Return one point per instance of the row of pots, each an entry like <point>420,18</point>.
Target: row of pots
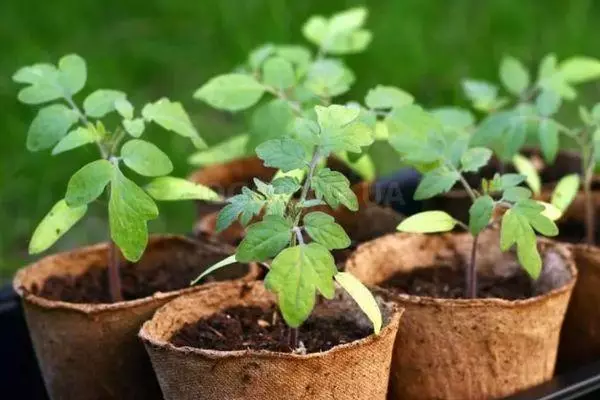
<point>444,348</point>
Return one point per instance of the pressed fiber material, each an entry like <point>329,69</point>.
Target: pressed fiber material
<point>91,351</point>
<point>580,336</point>
<point>463,349</point>
<point>358,370</point>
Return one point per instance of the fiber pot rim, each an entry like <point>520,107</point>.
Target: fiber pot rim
<point>563,250</point>
<point>389,328</point>
<point>99,308</point>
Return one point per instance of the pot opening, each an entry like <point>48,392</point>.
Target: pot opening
<point>261,327</point>
<point>165,267</point>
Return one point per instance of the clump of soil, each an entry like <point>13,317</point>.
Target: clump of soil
<point>92,286</point>
<point>255,328</point>
<point>449,283</point>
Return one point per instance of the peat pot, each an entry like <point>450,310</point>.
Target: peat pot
<point>580,336</point>
<point>455,348</point>
<point>356,370</point>
<point>90,350</point>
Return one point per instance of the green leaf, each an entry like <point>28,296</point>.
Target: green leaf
<point>285,185</point>
<point>129,209</point>
<point>547,67</point>
<point>551,212</point>
<point>385,97</point>
<point>323,229</point>
<point>49,126</point>
<point>134,127</point>
<point>409,127</point>
<point>259,55</point>
<point>168,188</point>
<point>145,158</point>
<point>285,154</point>
<point>547,103</point>
<point>525,167</point>
<point>295,276</point>
<point>87,184</point>
<point>297,55</point>
<point>480,214</point>
<point>231,92</point>
<point>516,229</point>
<point>454,118</point>
<point>362,296</point>
<point>101,102</point>
<point>514,75</point>
<point>73,73</point>
<point>440,180</point>
<point>482,94</point>
<point>475,158</point>
<point>428,222</point>
<point>549,140</point>
<point>271,120</point>
<point>513,224</point>
<point>223,263</point>
<point>227,150</point>
<point>124,108</point>
<point>510,180</point>
<point>44,81</point>
<point>328,78</point>
<point>265,239</point>
<point>55,224</point>
<point>78,137</point>
<point>315,29</point>
<point>364,166</point>
<point>247,205</point>
<point>516,193</point>
<point>334,188</point>
<point>348,20</point>
<point>579,69</point>
<point>341,129</point>
<point>565,191</point>
<point>172,117</point>
<point>278,73</point>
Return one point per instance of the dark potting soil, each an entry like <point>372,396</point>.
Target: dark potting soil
<point>449,283</point>
<point>92,286</point>
<point>255,328</point>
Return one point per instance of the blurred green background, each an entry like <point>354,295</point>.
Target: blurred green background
<point>154,48</point>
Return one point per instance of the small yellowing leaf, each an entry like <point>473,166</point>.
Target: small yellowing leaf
<point>550,211</point>
<point>363,297</point>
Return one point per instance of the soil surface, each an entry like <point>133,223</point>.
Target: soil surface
<point>449,283</point>
<point>242,328</point>
<point>92,286</point>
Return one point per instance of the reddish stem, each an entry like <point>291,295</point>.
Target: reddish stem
<point>114,276</point>
<point>293,338</point>
<point>471,272</point>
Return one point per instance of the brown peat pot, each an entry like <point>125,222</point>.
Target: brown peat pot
<point>457,202</point>
<point>580,336</point>
<point>91,350</point>
<point>355,370</point>
<point>468,348</point>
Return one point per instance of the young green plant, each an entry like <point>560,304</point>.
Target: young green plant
<point>294,80</point>
<point>299,241</point>
<point>532,106</point>
<point>443,155</point>
<point>62,125</point>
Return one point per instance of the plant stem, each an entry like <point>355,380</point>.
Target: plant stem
<point>471,269</point>
<point>471,272</point>
<point>588,173</point>
<point>114,276</point>
<point>293,338</point>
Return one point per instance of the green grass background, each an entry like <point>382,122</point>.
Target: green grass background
<point>170,47</point>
